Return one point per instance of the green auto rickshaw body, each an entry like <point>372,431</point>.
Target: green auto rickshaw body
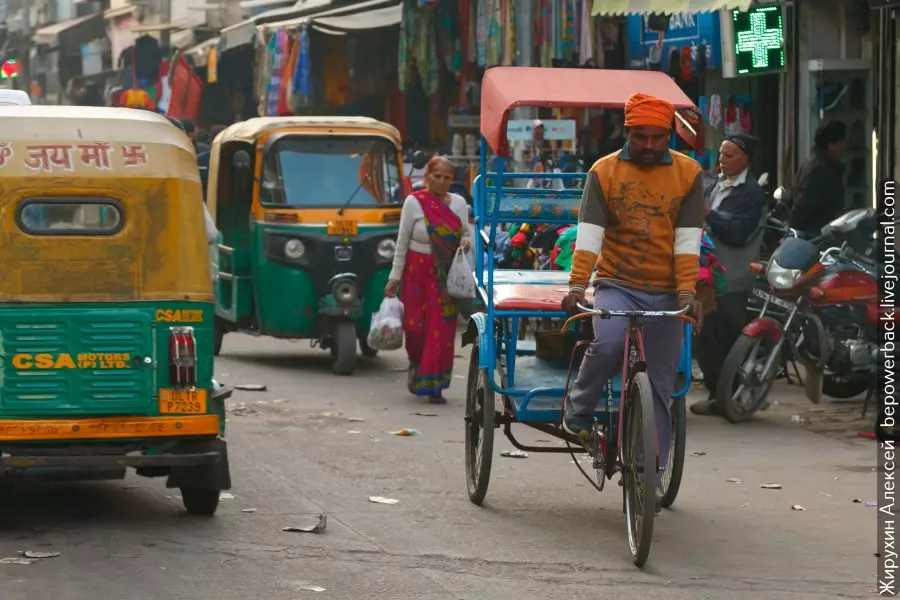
<point>308,209</point>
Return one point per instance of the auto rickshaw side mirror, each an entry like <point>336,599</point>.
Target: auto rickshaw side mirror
<point>241,160</point>
<point>419,160</point>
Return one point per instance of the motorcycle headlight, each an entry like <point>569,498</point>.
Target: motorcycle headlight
<point>294,249</point>
<point>345,292</point>
<point>386,249</point>
<point>780,278</point>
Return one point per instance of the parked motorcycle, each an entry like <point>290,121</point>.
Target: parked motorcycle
<point>830,303</point>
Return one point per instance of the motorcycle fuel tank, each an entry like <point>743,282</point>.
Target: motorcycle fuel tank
<point>847,286</point>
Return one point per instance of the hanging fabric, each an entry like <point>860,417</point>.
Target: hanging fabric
<point>494,44</point>
<point>509,29</point>
<point>274,87</point>
<point>481,26</point>
<point>286,78</point>
<point>585,34</point>
<point>265,56</point>
<point>212,62</point>
<point>547,45</point>
<point>301,84</point>
<point>472,31</point>
<point>417,48</point>
<point>568,29</point>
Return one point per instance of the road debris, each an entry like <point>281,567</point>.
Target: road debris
<point>405,432</point>
<point>356,419</point>
<point>251,387</point>
<point>421,414</point>
<point>317,528</point>
<point>771,486</point>
<point>797,507</point>
<point>382,500</point>
<point>311,588</point>
<point>514,454</point>
<point>698,453</point>
<point>857,501</point>
<point>226,496</point>
<point>799,419</point>
<point>38,555</point>
<point>353,431</point>
<point>824,494</point>
<point>871,503</point>
<point>734,480</point>
<point>17,561</point>
<point>248,510</point>
<point>242,410</point>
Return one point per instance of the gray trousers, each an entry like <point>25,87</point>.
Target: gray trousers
<point>603,358</point>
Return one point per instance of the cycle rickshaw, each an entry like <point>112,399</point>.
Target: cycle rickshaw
<point>516,381</point>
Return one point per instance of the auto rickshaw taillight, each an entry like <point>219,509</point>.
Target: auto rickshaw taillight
<point>182,357</point>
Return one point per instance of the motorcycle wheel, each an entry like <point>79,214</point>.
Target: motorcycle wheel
<point>834,386</point>
<point>740,394</point>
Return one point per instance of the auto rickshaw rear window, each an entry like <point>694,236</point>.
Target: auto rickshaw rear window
<point>70,216</point>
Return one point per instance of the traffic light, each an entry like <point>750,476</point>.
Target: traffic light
<point>10,69</point>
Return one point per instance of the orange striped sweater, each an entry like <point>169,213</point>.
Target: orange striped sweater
<point>640,225</point>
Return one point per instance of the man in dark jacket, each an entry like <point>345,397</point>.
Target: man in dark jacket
<point>735,214</point>
<point>819,185</point>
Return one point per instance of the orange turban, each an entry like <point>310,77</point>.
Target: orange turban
<point>642,110</point>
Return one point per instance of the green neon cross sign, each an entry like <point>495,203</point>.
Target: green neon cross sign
<point>756,33</point>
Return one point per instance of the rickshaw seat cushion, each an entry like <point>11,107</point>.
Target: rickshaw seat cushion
<point>535,297</point>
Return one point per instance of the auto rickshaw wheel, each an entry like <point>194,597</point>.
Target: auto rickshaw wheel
<point>219,333</point>
<point>365,348</point>
<point>199,501</point>
<point>343,347</point>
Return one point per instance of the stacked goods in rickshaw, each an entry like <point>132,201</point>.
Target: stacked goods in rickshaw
<point>106,304</point>
<point>515,381</point>
<point>308,209</point>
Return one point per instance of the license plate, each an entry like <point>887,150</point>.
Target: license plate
<point>343,228</point>
<point>182,402</point>
<point>773,299</point>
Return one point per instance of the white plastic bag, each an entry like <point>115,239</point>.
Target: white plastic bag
<point>386,331</point>
<point>460,279</point>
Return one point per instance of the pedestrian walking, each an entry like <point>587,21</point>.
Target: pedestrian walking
<point>434,224</point>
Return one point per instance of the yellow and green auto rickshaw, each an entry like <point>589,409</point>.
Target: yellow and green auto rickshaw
<point>308,210</point>
<point>106,303</point>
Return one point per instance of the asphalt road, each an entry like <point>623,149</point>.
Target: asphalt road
<point>298,450</point>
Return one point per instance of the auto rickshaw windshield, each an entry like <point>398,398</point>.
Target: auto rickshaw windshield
<point>328,171</point>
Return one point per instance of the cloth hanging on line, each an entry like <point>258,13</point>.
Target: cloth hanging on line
<point>277,45</point>
<point>481,32</point>
<point>494,46</point>
<point>509,26</point>
<point>585,35</point>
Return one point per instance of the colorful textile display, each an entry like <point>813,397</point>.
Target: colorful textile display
<point>418,48</point>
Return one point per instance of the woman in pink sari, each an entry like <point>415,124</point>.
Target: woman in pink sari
<point>434,224</point>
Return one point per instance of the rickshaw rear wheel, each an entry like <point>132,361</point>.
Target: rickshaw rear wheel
<point>219,335</point>
<point>479,429</point>
<point>200,501</point>
<point>671,478</point>
<point>343,347</point>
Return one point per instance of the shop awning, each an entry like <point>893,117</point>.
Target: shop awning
<point>375,10</point>
<point>372,19</point>
<point>117,13</point>
<point>250,4</point>
<point>664,7</point>
<point>73,32</point>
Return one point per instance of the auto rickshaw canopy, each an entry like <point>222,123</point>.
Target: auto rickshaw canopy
<point>256,128</point>
<point>506,88</point>
<point>133,174</point>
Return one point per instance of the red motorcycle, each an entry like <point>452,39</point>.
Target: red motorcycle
<point>828,322</point>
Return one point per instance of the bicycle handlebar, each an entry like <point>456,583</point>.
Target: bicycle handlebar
<point>606,314</point>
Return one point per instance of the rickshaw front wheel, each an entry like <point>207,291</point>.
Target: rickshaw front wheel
<point>343,347</point>
<point>200,501</point>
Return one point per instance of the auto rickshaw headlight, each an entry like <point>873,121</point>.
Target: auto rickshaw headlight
<point>345,292</point>
<point>294,249</point>
<point>386,249</point>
